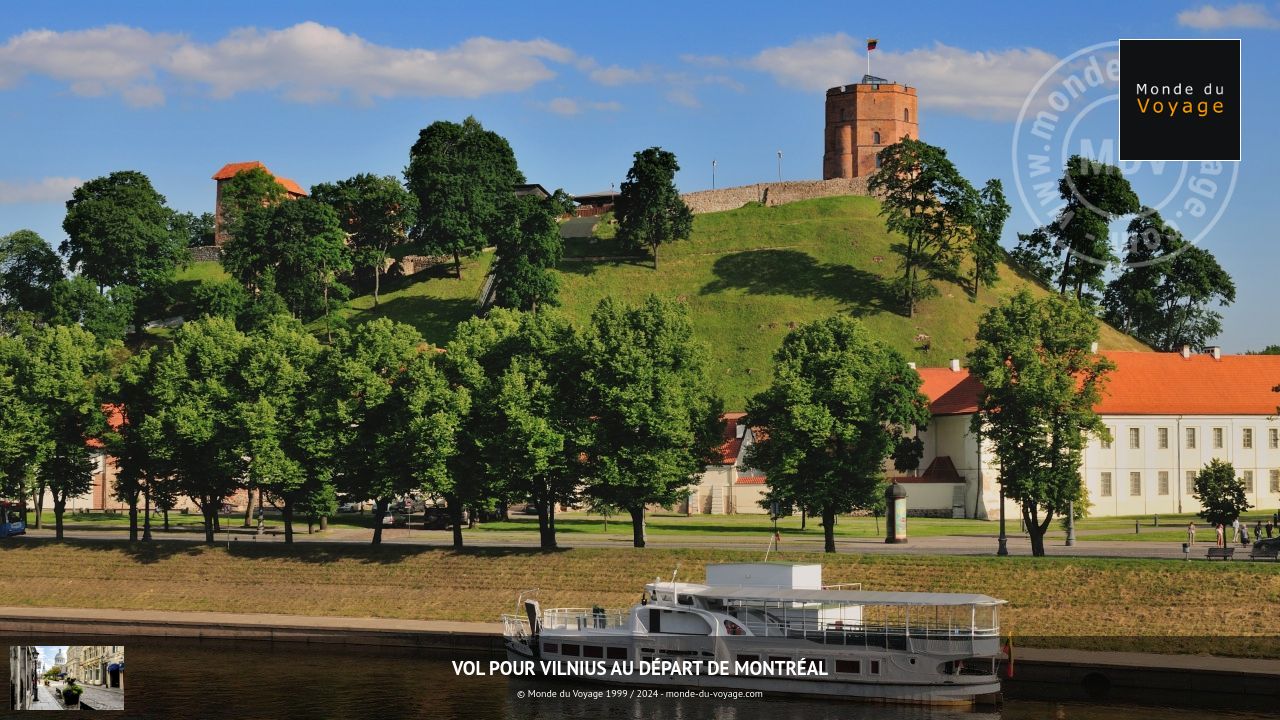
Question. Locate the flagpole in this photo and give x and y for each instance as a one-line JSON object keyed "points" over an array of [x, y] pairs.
{"points": [[868, 61]]}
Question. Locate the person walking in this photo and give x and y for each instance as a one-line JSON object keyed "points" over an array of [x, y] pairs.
{"points": [[1221, 533], [1244, 534], [1191, 534], [1235, 531], [1257, 531]]}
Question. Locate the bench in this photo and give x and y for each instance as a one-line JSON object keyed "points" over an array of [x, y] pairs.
{"points": [[1222, 553]]}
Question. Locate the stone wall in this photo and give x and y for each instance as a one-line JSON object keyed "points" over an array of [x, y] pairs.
{"points": [[206, 253], [774, 193]]}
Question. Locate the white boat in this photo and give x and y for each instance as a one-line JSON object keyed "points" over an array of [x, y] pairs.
{"points": [[780, 630]]}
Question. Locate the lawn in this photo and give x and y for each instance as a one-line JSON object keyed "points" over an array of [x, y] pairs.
{"points": [[739, 525], [1154, 605]]}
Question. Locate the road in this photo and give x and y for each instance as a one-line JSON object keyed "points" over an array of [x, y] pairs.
{"points": [[959, 545]]}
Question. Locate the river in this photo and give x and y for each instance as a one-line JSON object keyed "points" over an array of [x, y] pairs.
{"points": [[250, 680]]}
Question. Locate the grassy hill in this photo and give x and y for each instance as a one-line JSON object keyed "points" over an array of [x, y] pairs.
{"points": [[748, 276]]}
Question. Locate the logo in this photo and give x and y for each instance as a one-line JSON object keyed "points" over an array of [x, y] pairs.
{"points": [[1073, 110]]}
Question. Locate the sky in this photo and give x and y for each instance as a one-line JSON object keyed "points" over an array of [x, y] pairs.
{"points": [[323, 91], [49, 652]]}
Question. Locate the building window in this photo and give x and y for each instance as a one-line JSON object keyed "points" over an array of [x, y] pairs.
{"points": [[1246, 438], [1191, 481], [1106, 441], [1248, 481], [1162, 482], [1106, 484], [1135, 483], [1275, 481], [1135, 438], [1273, 438], [1162, 438], [1191, 438], [1217, 438], [876, 137]]}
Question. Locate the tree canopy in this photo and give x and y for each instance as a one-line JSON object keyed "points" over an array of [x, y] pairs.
{"points": [[529, 247], [1040, 383], [29, 269], [1221, 494], [462, 176], [376, 213], [841, 403], [649, 209]]}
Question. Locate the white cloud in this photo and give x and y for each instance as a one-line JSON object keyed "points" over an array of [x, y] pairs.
{"points": [[1244, 15], [615, 75], [95, 62], [307, 62], [44, 190], [705, 60], [683, 96], [989, 85], [569, 106]]}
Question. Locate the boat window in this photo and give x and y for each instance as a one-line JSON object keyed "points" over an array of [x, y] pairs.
{"points": [[551, 647], [592, 651], [569, 649], [733, 628], [615, 653], [875, 667], [849, 667], [686, 600]]}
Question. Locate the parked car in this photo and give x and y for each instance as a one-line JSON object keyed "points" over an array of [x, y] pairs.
{"points": [[1266, 548], [351, 507]]}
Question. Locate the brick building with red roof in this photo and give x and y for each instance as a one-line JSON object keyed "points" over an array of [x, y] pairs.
{"points": [[292, 190]]}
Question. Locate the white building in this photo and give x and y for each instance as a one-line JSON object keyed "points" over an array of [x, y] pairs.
{"points": [[1169, 414]]}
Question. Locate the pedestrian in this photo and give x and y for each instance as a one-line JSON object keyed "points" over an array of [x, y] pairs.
{"points": [[1191, 533], [1221, 532], [1270, 527], [1235, 531], [1244, 534], [1257, 531]]}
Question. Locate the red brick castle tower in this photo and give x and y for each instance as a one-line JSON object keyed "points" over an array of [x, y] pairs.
{"points": [[862, 120]]}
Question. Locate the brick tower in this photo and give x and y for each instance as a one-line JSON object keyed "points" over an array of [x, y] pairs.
{"points": [[862, 120]]}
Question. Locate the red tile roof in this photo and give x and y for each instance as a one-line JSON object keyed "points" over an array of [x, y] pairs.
{"points": [[732, 442], [230, 170], [1147, 383], [115, 419], [750, 480], [941, 470]]}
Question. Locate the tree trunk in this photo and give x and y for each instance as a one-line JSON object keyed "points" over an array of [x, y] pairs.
{"points": [[324, 523], [1036, 530], [637, 525], [146, 517], [457, 264], [39, 503], [546, 527], [248, 507], [803, 516], [166, 519], [287, 514], [379, 512], [377, 278], [210, 514], [133, 517], [455, 518], [59, 506], [829, 529], [655, 256]]}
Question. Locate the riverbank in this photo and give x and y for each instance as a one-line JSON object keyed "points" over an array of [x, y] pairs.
{"points": [[1085, 603]]}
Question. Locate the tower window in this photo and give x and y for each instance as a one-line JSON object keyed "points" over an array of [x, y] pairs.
{"points": [[906, 115], [876, 137]]}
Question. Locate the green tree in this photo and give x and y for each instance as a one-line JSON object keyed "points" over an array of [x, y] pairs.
{"points": [[244, 192], [1040, 383], [376, 213], [195, 230], [294, 250], [119, 232], [841, 403], [29, 269], [359, 382], [288, 447], [23, 432], [226, 298], [529, 247], [926, 200], [1268, 350], [992, 212], [649, 209], [654, 421], [195, 419], [77, 301], [1220, 493], [462, 176], [65, 375], [1165, 293], [524, 434], [140, 461]]}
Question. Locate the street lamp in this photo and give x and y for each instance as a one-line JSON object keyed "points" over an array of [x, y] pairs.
{"points": [[1004, 539], [713, 174], [779, 166], [1071, 523]]}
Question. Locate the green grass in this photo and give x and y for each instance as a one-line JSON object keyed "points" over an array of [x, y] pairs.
{"points": [[738, 526], [750, 275], [186, 280], [1096, 603]]}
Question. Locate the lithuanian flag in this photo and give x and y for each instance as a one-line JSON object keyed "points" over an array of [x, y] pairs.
{"points": [[871, 44]]}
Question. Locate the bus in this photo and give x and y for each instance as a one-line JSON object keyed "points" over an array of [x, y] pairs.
{"points": [[11, 519]]}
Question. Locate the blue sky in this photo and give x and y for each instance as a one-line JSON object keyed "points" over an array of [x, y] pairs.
{"points": [[320, 92]]}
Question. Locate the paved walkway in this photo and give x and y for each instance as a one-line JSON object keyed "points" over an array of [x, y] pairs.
{"points": [[100, 698], [46, 700]]}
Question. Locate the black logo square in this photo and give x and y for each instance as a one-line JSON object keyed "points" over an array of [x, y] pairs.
{"points": [[1180, 100]]}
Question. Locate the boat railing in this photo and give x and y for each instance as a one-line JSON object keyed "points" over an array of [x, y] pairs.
{"points": [[584, 619], [843, 586], [887, 635], [515, 627]]}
